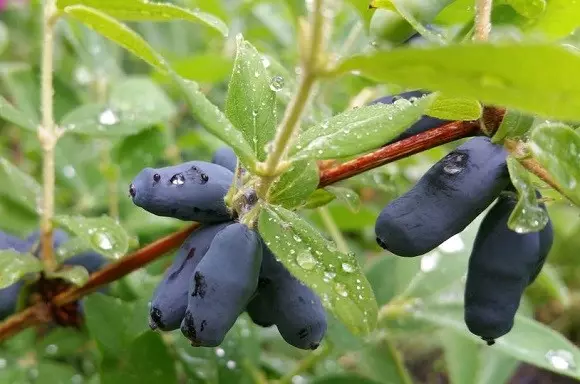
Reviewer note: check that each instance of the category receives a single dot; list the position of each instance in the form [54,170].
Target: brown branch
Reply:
[40,312]
[126,265]
[446,133]
[533,166]
[35,315]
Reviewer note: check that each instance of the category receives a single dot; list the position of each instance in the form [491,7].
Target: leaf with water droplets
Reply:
[559,19]
[9,113]
[251,102]
[102,234]
[15,265]
[527,215]
[557,149]
[347,196]
[454,108]
[117,32]
[215,121]
[528,341]
[18,186]
[334,276]
[514,124]
[295,185]
[143,10]
[528,8]
[512,74]
[318,198]
[75,274]
[359,130]
[135,103]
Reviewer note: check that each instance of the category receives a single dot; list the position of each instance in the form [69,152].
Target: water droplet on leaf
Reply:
[108,117]
[561,359]
[277,83]
[305,260]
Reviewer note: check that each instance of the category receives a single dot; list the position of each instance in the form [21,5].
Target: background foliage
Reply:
[121,111]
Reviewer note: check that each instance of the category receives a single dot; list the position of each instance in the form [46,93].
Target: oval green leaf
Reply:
[102,234]
[15,265]
[334,276]
[510,75]
[557,148]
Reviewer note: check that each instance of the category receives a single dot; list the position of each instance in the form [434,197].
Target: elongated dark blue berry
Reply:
[190,191]
[225,157]
[170,298]
[445,200]
[502,264]
[284,301]
[222,285]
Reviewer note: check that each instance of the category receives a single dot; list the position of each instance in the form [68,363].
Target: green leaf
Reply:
[103,234]
[380,360]
[511,75]
[347,196]
[469,362]
[363,10]
[14,265]
[134,104]
[528,341]
[251,104]
[527,216]
[454,108]
[206,67]
[559,20]
[15,116]
[76,274]
[528,8]
[557,149]
[358,130]
[117,32]
[143,10]
[147,361]
[295,185]
[549,286]
[344,378]
[110,324]
[216,122]
[18,186]
[318,198]
[514,124]
[334,276]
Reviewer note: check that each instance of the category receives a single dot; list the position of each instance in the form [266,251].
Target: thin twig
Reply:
[307,363]
[37,314]
[295,110]
[47,135]
[126,265]
[333,229]
[483,19]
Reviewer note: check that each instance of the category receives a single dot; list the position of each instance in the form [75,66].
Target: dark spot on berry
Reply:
[204,178]
[314,346]
[303,333]
[176,273]
[200,285]
[203,324]
[490,341]
[156,318]
[188,327]
[263,282]
[132,190]
[381,243]
[156,177]
[301,300]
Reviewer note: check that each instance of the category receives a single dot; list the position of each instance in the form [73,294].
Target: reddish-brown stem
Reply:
[418,143]
[125,265]
[40,312]
[35,315]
